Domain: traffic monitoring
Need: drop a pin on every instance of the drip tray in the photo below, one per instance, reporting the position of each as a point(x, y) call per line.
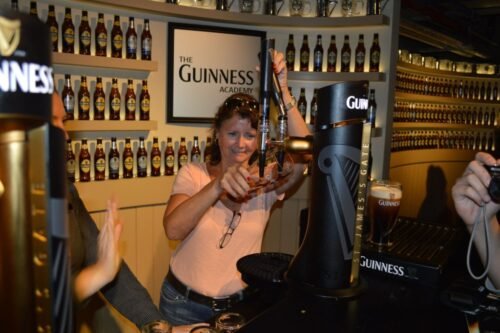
point(420, 252)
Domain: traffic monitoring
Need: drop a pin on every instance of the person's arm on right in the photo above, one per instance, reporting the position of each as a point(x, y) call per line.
point(470, 196)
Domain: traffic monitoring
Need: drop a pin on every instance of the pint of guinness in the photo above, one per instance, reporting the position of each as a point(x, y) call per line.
point(384, 198)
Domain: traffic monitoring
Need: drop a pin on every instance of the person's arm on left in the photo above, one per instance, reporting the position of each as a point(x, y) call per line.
point(95, 276)
point(125, 293)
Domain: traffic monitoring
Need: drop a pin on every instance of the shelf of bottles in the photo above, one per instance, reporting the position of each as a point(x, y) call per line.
point(336, 64)
point(368, 14)
point(411, 139)
point(111, 159)
point(86, 112)
point(445, 110)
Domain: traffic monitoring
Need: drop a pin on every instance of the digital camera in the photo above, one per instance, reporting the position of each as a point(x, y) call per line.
point(494, 187)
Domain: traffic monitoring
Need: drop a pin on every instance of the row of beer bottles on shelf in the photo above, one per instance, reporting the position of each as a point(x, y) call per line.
point(114, 160)
point(68, 34)
point(85, 104)
point(470, 89)
point(440, 139)
point(446, 113)
point(332, 53)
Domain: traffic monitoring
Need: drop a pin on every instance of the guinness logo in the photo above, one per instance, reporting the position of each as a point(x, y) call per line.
point(10, 35)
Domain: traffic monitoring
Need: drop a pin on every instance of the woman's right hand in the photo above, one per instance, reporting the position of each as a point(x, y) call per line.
point(234, 182)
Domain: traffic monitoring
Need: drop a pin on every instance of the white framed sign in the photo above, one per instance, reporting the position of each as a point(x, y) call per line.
point(207, 64)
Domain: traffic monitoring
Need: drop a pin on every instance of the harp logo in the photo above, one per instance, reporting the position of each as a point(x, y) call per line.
point(10, 35)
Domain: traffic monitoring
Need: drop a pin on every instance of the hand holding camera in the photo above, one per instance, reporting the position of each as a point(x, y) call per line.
point(494, 187)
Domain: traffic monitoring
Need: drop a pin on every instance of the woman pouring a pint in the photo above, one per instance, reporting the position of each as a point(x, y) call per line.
point(216, 214)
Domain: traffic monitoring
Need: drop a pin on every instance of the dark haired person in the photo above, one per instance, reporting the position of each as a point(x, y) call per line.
point(213, 212)
point(96, 264)
point(474, 205)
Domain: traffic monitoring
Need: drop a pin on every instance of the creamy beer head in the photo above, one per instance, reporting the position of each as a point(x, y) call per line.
point(383, 208)
point(386, 192)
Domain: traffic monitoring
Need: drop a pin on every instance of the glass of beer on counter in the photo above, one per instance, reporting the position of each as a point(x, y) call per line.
point(384, 198)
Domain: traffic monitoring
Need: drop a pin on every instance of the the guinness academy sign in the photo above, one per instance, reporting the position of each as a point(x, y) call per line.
point(207, 64)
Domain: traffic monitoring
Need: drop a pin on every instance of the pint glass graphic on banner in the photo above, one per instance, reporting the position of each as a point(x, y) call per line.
point(384, 199)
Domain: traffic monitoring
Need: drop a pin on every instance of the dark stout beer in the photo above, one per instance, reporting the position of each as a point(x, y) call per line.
point(384, 199)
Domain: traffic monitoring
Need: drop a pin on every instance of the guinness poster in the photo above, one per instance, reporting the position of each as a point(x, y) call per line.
point(206, 65)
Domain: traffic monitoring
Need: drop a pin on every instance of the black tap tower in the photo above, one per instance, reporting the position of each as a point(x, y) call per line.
point(326, 260)
point(34, 268)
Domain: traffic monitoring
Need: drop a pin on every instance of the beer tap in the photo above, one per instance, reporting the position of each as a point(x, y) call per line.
point(266, 78)
point(283, 142)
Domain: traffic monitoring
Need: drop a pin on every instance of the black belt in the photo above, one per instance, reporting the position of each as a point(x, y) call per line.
point(216, 303)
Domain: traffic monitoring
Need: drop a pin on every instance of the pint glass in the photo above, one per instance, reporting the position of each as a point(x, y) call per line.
point(384, 198)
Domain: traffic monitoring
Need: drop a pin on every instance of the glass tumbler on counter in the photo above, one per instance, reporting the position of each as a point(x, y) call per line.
point(229, 322)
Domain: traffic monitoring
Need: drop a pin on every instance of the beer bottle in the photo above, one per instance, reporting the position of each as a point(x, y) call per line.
point(83, 100)
point(345, 55)
point(195, 151)
point(68, 97)
point(146, 42)
point(302, 103)
point(128, 160)
point(131, 39)
point(99, 161)
point(494, 92)
point(360, 55)
point(99, 100)
point(101, 37)
point(290, 54)
point(314, 107)
point(372, 108)
point(374, 7)
point(142, 159)
point(207, 153)
point(155, 158)
point(70, 161)
point(33, 9)
point(130, 101)
point(114, 101)
point(331, 57)
point(14, 5)
point(116, 38)
point(304, 55)
point(144, 101)
point(169, 158)
point(114, 160)
point(182, 155)
point(84, 34)
point(84, 162)
point(375, 54)
point(318, 55)
point(53, 28)
point(68, 33)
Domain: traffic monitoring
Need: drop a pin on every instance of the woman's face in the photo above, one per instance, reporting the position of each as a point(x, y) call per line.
point(237, 141)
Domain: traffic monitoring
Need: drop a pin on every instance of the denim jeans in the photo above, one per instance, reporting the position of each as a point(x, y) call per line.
point(179, 310)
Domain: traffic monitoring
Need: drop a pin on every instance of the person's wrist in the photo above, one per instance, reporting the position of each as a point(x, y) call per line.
point(291, 104)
